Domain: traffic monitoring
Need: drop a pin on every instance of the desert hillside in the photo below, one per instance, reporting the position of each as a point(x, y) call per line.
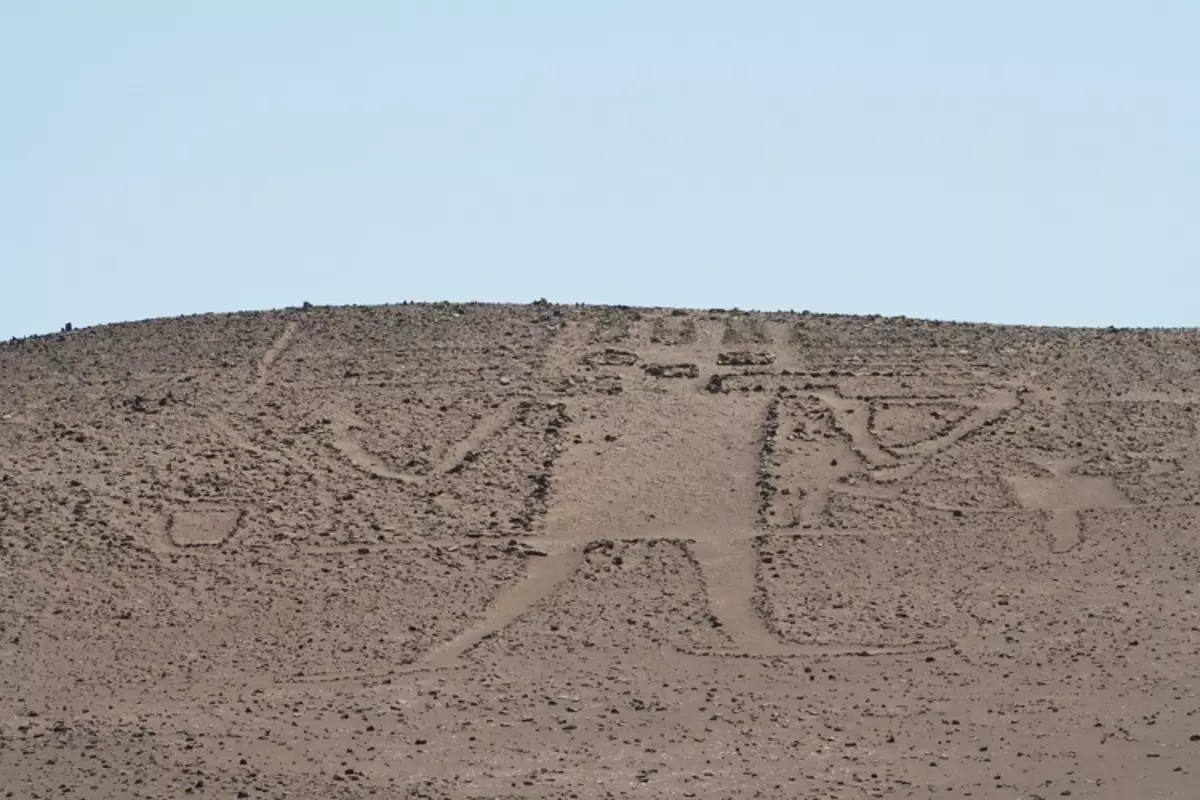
point(482, 551)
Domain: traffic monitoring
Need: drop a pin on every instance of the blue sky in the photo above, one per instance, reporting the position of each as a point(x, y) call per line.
point(1025, 162)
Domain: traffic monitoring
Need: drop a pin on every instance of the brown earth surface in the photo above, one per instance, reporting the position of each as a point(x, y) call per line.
point(476, 551)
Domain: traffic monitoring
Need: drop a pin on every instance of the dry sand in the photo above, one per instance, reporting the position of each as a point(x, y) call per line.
point(473, 551)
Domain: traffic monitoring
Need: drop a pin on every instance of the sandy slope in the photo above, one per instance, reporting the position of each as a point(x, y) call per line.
point(494, 551)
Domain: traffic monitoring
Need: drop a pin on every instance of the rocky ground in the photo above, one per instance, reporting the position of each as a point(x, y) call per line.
point(473, 551)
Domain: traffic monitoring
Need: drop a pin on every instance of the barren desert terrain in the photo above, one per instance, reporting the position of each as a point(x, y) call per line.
point(483, 551)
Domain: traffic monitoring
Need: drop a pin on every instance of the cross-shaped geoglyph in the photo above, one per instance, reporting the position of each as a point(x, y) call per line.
point(1063, 495)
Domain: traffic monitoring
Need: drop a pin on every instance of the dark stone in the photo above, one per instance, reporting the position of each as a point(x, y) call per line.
point(742, 358)
point(672, 370)
point(611, 357)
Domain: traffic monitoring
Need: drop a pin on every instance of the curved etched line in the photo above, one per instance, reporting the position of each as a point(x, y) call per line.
point(487, 427)
point(455, 458)
point(900, 449)
point(360, 457)
point(1002, 402)
point(852, 418)
point(161, 542)
point(271, 356)
point(892, 464)
point(895, 474)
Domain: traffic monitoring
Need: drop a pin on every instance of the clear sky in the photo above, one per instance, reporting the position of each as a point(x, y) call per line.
point(1024, 161)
